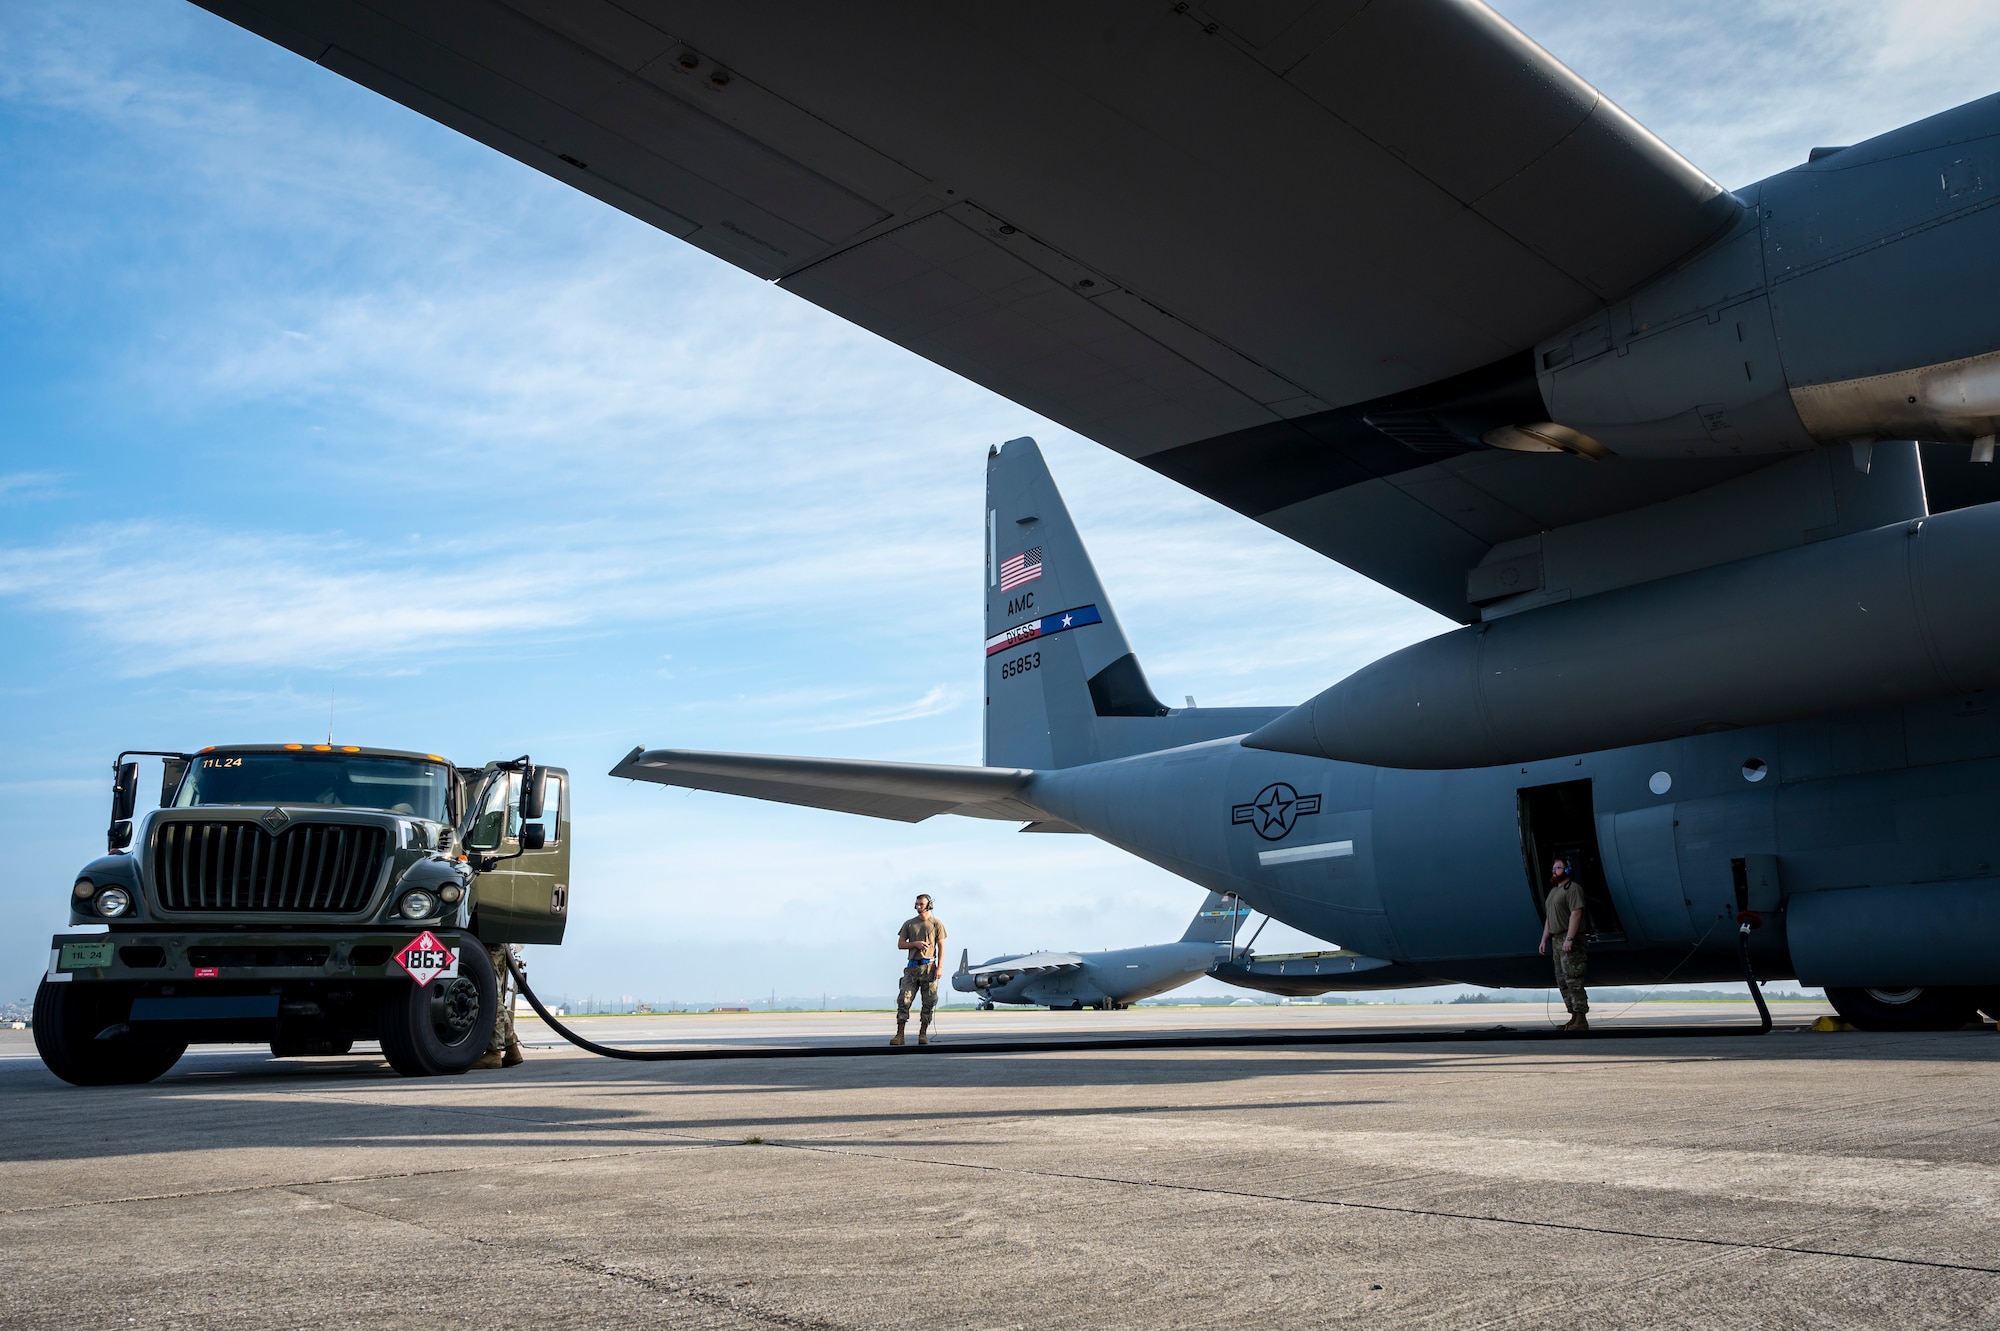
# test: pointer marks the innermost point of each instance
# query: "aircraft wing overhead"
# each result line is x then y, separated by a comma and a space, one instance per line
1291, 253
906, 792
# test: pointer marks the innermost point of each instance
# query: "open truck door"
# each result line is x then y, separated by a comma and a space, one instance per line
520, 828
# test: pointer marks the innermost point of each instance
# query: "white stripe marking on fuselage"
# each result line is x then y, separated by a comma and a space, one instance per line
1325, 850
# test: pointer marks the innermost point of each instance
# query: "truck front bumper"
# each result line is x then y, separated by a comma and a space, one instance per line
198, 958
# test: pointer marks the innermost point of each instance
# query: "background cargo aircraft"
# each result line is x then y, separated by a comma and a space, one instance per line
1218, 943
1116, 978
1392, 281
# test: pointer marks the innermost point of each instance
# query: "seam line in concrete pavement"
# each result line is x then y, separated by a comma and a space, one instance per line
485, 1113
681, 1286
281, 1184
1741, 1244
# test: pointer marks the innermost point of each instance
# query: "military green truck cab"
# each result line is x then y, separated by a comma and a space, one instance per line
304, 896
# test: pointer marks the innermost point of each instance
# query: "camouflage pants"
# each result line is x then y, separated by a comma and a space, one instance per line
1571, 968
503, 1022
915, 979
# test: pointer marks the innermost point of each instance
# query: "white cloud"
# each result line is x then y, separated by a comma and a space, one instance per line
1744, 88
20, 485
936, 701
173, 597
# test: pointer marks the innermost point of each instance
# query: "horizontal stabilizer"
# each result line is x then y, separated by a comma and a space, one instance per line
906, 792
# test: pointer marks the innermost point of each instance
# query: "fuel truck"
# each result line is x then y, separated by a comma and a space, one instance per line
304, 896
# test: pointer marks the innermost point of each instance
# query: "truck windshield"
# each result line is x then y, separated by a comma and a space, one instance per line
395, 785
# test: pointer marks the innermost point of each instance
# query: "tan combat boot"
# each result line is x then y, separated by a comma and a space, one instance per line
491, 1059
924, 1031
513, 1057
897, 1038
1578, 1022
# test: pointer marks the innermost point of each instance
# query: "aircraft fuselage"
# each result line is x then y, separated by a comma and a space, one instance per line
1881, 822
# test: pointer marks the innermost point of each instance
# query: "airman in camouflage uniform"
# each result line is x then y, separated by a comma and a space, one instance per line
922, 938
1563, 921
503, 1050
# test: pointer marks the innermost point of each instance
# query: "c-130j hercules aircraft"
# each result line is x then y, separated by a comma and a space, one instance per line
1389, 279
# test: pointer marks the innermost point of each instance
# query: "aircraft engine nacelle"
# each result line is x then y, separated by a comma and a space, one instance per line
1896, 615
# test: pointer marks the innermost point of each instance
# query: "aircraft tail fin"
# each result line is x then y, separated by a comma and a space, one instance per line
1057, 663
1218, 919
965, 961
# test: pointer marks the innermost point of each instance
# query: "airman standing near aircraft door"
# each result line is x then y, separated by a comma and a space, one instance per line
1563, 920
922, 937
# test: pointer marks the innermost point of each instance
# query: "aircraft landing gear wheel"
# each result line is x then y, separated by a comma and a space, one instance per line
68, 1018
441, 1028
1921, 1008
310, 1048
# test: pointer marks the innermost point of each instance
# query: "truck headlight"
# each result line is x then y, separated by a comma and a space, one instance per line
83, 889
113, 901
417, 905
451, 892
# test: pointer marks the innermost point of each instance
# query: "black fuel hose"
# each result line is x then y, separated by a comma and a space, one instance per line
1262, 1040
605, 1050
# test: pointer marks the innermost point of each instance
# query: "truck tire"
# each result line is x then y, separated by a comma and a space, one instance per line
310, 1048
68, 1019
1929, 1008
441, 1028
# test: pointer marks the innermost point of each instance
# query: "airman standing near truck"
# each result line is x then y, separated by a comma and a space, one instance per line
922, 938
503, 1047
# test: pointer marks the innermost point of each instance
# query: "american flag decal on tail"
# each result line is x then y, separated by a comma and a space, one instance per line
1024, 567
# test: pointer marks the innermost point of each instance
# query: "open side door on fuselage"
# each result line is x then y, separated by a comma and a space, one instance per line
1557, 820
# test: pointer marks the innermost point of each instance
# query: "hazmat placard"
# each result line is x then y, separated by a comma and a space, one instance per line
425, 958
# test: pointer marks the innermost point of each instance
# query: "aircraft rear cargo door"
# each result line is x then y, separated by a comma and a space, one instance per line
1645, 869
1557, 820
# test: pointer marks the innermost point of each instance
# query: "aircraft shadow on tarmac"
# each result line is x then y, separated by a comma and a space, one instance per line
180, 1107
534, 1106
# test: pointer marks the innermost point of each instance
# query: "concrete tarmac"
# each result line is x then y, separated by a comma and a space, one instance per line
1794, 1180
971, 1028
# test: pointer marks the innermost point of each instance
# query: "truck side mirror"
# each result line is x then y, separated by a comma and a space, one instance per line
534, 791
533, 836
171, 772
119, 835
125, 792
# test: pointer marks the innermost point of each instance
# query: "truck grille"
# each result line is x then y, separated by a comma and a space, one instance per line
329, 867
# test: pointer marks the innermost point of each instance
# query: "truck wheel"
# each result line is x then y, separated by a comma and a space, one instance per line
310, 1048
443, 1027
1926, 1008
68, 1018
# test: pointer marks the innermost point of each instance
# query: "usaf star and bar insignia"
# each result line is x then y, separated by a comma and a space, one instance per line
1275, 811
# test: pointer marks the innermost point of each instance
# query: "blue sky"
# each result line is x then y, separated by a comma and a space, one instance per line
301, 393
